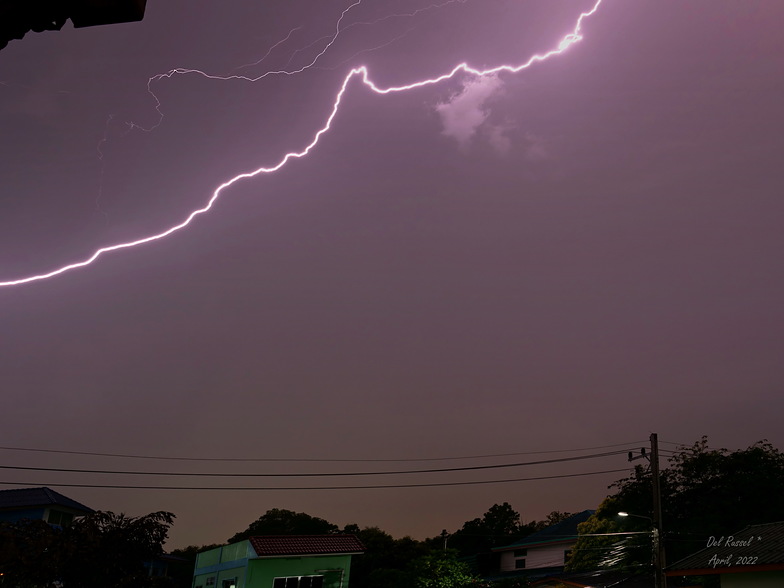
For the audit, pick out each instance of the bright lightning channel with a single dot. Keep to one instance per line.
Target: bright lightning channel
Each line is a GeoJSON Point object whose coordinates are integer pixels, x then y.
{"type": "Point", "coordinates": [567, 41]}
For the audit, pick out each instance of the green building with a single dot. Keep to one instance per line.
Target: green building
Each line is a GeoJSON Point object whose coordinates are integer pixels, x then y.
{"type": "Point", "coordinates": [279, 561]}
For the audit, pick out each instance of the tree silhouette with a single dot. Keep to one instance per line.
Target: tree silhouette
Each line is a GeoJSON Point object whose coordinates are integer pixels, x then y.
{"type": "Point", "coordinates": [99, 550]}
{"type": "Point", "coordinates": [705, 492]}
{"type": "Point", "coordinates": [279, 521]}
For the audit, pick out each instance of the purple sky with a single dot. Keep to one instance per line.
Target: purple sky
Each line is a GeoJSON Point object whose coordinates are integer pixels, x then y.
{"type": "Point", "coordinates": [573, 256]}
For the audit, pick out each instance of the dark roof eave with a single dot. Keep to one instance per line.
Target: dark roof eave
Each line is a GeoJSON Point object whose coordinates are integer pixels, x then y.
{"type": "Point", "coordinates": [305, 545]}
{"type": "Point", "coordinates": [39, 497]}
{"type": "Point", "coordinates": [566, 528]}
{"type": "Point", "coordinates": [535, 544]}
{"type": "Point", "coordinates": [307, 554]}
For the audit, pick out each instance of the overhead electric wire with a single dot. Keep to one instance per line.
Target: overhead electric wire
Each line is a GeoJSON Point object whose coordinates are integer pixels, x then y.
{"type": "Point", "coordinates": [367, 487]}
{"type": "Point", "coordinates": [687, 445]}
{"type": "Point", "coordinates": [281, 459]}
{"type": "Point", "coordinates": [315, 474]}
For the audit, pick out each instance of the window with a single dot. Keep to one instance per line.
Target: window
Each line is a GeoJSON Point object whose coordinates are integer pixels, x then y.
{"type": "Point", "coordinates": [299, 582]}
{"type": "Point", "coordinates": [230, 583]}
{"type": "Point", "coordinates": [57, 517]}
{"type": "Point", "coordinates": [211, 581]}
{"type": "Point", "coordinates": [520, 555]}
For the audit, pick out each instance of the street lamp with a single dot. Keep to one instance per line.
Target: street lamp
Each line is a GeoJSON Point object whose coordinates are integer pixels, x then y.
{"type": "Point", "coordinates": [657, 559]}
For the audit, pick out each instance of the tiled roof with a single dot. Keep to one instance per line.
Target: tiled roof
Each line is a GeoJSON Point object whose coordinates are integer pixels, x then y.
{"type": "Point", "coordinates": [30, 497]}
{"type": "Point", "coordinates": [270, 545]}
{"type": "Point", "coordinates": [761, 545]}
{"type": "Point", "coordinates": [563, 531]}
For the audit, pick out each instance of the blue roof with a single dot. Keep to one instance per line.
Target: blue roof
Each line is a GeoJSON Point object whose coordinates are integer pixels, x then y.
{"type": "Point", "coordinates": [563, 531]}
{"type": "Point", "coordinates": [29, 497]}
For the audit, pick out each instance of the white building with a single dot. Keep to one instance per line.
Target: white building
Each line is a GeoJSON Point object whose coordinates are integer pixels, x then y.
{"type": "Point", "coordinates": [546, 551]}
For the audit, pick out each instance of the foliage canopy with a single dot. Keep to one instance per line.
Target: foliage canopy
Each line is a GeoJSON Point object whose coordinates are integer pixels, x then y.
{"type": "Point", "coordinates": [99, 550]}
{"type": "Point", "coordinates": [705, 492]}
{"type": "Point", "coordinates": [279, 521]}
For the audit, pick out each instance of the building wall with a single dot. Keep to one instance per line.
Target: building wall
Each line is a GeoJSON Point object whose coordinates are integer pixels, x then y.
{"type": "Point", "coordinates": [536, 557]}
{"type": "Point", "coordinates": [507, 561]}
{"type": "Point", "coordinates": [262, 572]}
{"type": "Point", "coordinates": [241, 550]}
{"type": "Point", "coordinates": [547, 557]}
{"type": "Point", "coordinates": [208, 558]}
{"type": "Point", "coordinates": [214, 579]}
{"type": "Point", "coordinates": [239, 561]}
{"type": "Point", "coordinates": [223, 563]}
{"type": "Point", "coordinates": [753, 580]}
{"type": "Point", "coordinates": [237, 551]}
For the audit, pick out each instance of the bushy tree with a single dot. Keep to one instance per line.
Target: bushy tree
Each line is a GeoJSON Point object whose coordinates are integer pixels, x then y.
{"type": "Point", "coordinates": [181, 570]}
{"type": "Point", "coordinates": [714, 491]}
{"type": "Point", "coordinates": [279, 521]}
{"type": "Point", "coordinates": [602, 546]}
{"type": "Point", "coordinates": [500, 525]}
{"type": "Point", "coordinates": [704, 492]}
{"type": "Point", "coordinates": [386, 560]}
{"type": "Point", "coordinates": [99, 550]}
{"type": "Point", "coordinates": [107, 549]}
{"type": "Point", "coordinates": [555, 517]}
{"type": "Point", "coordinates": [441, 569]}
{"type": "Point", "coordinates": [30, 554]}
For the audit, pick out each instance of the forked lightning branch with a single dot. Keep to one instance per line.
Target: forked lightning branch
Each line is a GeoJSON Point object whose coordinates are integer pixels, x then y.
{"type": "Point", "coordinates": [360, 73]}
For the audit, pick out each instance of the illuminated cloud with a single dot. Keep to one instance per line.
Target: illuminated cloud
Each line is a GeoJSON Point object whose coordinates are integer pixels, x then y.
{"type": "Point", "coordinates": [465, 112]}
{"type": "Point", "coordinates": [497, 137]}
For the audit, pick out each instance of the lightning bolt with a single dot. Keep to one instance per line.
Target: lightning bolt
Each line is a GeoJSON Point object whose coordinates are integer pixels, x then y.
{"type": "Point", "coordinates": [338, 31]}
{"type": "Point", "coordinates": [358, 72]}
{"type": "Point", "coordinates": [271, 49]}
{"type": "Point", "coordinates": [330, 41]}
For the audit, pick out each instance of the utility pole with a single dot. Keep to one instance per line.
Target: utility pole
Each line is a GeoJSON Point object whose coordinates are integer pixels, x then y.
{"type": "Point", "coordinates": [658, 535]}
{"type": "Point", "coordinates": [659, 561]}
{"type": "Point", "coordinates": [444, 536]}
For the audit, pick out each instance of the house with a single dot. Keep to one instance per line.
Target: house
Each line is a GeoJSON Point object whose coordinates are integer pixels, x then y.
{"type": "Point", "coordinates": [279, 561]}
{"type": "Point", "coordinates": [751, 558]}
{"type": "Point", "coordinates": [543, 553]}
{"type": "Point", "coordinates": [39, 504]}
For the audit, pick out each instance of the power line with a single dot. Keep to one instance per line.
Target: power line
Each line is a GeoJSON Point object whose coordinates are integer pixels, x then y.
{"type": "Point", "coordinates": [683, 445]}
{"type": "Point", "coordinates": [276, 459]}
{"type": "Point", "coordinates": [369, 487]}
{"type": "Point", "coordinates": [315, 474]}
